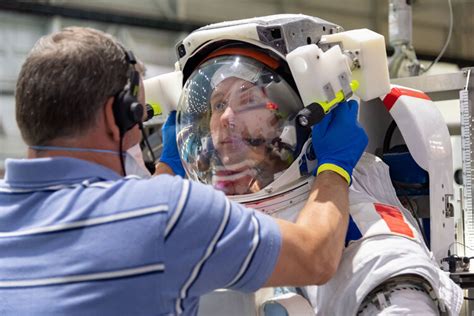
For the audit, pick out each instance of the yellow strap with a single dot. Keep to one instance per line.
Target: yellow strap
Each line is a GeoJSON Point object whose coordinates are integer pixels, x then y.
{"type": "Point", "coordinates": [329, 166]}
{"type": "Point", "coordinates": [135, 90]}
{"type": "Point", "coordinates": [156, 108]}
{"type": "Point", "coordinates": [339, 97]}
{"type": "Point", "coordinates": [328, 105]}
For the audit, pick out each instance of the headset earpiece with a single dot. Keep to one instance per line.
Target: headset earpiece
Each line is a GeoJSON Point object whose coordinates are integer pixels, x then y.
{"type": "Point", "coordinates": [127, 109]}
{"type": "Point", "coordinates": [136, 112]}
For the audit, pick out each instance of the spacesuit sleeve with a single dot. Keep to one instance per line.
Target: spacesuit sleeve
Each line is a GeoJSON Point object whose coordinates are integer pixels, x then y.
{"type": "Point", "coordinates": [212, 242]}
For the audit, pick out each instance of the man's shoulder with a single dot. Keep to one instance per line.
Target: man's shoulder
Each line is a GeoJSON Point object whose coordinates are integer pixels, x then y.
{"type": "Point", "coordinates": [133, 190]}
{"type": "Point", "coordinates": [174, 191]}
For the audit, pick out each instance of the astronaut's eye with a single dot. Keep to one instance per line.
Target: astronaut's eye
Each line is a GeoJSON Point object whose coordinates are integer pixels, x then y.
{"type": "Point", "coordinates": [219, 106]}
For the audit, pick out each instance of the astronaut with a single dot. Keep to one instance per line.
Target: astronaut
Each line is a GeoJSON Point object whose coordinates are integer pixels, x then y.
{"type": "Point", "coordinates": [237, 131]}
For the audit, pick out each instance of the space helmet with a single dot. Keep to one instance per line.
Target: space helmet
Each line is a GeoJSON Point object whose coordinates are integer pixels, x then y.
{"type": "Point", "coordinates": [236, 126]}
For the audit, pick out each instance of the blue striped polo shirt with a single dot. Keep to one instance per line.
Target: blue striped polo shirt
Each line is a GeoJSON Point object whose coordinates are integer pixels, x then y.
{"type": "Point", "coordinates": [78, 239]}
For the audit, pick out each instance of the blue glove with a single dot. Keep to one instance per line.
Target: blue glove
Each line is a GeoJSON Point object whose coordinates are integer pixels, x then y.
{"type": "Point", "coordinates": [170, 154]}
{"type": "Point", "coordinates": [339, 140]}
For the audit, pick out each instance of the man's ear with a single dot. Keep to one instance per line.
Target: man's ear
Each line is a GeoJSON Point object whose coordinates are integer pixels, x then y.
{"type": "Point", "coordinates": [109, 118]}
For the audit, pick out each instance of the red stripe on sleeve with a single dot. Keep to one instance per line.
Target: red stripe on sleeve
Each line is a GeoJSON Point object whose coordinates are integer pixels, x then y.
{"type": "Point", "coordinates": [394, 219]}
{"type": "Point", "coordinates": [397, 92]}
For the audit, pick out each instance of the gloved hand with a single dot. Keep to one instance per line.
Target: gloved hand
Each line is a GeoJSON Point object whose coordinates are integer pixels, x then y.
{"type": "Point", "coordinates": [170, 155]}
{"type": "Point", "coordinates": [339, 140]}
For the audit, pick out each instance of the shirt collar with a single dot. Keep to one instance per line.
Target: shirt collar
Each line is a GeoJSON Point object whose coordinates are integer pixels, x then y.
{"type": "Point", "coordinates": [41, 172]}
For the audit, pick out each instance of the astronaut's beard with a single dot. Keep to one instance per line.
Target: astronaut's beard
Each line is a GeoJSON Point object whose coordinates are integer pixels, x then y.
{"type": "Point", "coordinates": [236, 179]}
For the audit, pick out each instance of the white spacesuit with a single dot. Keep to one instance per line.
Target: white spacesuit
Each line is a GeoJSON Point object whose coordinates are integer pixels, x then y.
{"type": "Point", "coordinates": [389, 247]}
{"type": "Point", "coordinates": [238, 130]}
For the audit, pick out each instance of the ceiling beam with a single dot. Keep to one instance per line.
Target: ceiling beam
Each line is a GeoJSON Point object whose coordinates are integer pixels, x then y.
{"type": "Point", "coordinates": [43, 9]}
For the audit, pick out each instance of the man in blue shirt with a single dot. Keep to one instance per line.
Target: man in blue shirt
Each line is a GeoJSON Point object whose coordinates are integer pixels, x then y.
{"type": "Point", "coordinates": [79, 236]}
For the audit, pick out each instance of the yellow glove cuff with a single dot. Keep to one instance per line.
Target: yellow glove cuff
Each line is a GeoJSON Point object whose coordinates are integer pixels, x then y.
{"type": "Point", "coordinates": [329, 166]}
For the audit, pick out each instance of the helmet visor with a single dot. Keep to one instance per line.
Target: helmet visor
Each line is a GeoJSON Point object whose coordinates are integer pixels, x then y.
{"type": "Point", "coordinates": [236, 124]}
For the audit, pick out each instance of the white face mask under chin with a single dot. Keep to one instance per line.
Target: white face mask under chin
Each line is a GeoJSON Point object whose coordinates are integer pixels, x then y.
{"type": "Point", "coordinates": [134, 163]}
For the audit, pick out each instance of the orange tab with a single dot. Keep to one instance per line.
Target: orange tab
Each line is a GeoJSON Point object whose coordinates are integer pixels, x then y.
{"type": "Point", "coordinates": [394, 219]}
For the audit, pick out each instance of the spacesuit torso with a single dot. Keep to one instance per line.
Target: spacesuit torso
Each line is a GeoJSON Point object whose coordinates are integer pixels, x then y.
{"type": "Point", "coordinates": [387, 244]}
{"type": "Point", "coordinates": [383, 241]}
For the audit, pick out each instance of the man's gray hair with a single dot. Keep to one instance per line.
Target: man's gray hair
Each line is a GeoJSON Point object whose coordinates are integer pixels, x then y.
{"type": "Point", "coordinates": [65, 81]}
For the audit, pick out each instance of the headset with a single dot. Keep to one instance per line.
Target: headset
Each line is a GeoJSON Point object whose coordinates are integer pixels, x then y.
{"type": "Point", "coordinates": [128, 111]}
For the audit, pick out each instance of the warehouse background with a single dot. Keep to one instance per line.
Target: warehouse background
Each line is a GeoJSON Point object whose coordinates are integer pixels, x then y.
{"type": "Point", "coordinates": [152, 27]}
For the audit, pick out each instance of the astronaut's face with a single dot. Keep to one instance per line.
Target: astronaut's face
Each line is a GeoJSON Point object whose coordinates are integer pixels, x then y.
{"type": "Point", "coordinates": [241, 125]}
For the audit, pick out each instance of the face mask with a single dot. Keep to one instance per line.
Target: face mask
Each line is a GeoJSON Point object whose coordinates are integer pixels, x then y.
{"type": "Point", "coordinates": [134, 163]}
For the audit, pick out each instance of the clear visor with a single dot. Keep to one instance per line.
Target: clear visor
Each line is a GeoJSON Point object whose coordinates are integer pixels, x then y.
{"type": "Point", "coordinates": [236, 126]}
